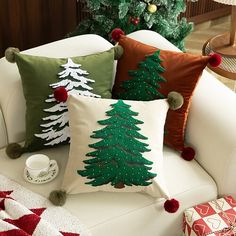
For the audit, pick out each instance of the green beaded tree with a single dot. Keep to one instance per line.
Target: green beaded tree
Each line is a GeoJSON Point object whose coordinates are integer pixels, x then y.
{"type": "Point", "coordinates": [118, 158]}
{"type": "Point", "coordinates": [162, 16]}
{"type": "Point", "coordinates": [145, 82]}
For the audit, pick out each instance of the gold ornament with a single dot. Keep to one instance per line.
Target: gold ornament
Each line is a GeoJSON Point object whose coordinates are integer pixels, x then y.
{"type": "Point", "coordinates": [152, 8]}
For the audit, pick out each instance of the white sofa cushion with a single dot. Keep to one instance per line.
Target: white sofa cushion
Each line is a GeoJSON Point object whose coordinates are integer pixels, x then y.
{"type": "Point", "coordinates": [125, 213]}
{"type": "Point", "coordinates": [3, 132]}
{"type": "Point", "coordinates": [131, 163]}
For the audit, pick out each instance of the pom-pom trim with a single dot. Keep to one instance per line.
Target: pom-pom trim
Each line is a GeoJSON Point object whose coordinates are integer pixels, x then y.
{"type": "Point", "coordinates": [10, 54]}
{"type": "Point", "coordinates": [60, 94]}
{"type": "Point", "coordinates": [188, 153]}
{"type": "Point", "coordinates": [14, 150]}
{"type": "Point", "coordinates": [175, 100]}
{"type": "Point", "coordinates": [215, 59]}
{"type": "Point", "coordinates": [118, 52]}
{"type": "Point", "coordinates": [171, 206]}
{"type": "Point", "coordinates": [116, 34]}
{"type": "Point", "coordinates": [58, 197]}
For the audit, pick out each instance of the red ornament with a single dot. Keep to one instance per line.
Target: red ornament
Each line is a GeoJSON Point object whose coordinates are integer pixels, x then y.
{"type": "Point", "coordinates": [60, 94]}
{"type": "Point", "coordinates": [116, 33]}
{"type": "Point", "coordinates": [215, 59]}
{"type": "Point", "coordinates": [171, 206]}
{"type": "Point", "coordinates": [134, 20]}
{"type": "Point", "coordinates": [188, 153]}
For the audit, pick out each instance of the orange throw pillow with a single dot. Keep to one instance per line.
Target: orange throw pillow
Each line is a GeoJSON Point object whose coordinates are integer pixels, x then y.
{"type": "Point", "coordinates": [181, 74]}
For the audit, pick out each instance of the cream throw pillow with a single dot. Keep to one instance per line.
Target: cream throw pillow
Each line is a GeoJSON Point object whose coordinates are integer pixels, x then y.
{"type": "Point", "coordinates": [116, 146]}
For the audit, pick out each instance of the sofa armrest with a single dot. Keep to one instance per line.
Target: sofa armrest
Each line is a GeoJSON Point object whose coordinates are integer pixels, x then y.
{"type": "Point", "coordinates": [153, 38]}
{"type": "Point", "coordinates": [211, 129]}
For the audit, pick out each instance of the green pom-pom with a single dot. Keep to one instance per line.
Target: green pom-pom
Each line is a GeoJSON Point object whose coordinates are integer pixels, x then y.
{"type": "Point", "coordinates": [175, 100]}
{"type": "Point", "coordinates": [58, 197]}
{"type": "Point", "coordinates": [118, 52]}
{"type": "Point", "coordinates": [14, 150]}
{"type": "Point", "coordinates": [10, 54]}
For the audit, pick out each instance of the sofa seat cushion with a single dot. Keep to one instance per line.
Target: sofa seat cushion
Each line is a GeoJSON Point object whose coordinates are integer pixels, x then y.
{"type": "Point", "coordinates": [3, 131]}
{"type": "Point", "coordinates": [125, 213]}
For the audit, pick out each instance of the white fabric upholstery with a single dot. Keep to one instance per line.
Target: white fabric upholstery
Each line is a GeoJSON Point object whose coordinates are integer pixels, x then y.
{"type": "Point", "coordinates": [210, 129]}
{"type": "Point", "coordinates": [12, 101]}
{"type": "Point", "coordinates": [3, 132]}
{"type": "Point", "coordinates": [126, 213]}
{"type": "Point", "coordinates": [154, 39]}
{"type": "Point", "coordinates": [11, 94]}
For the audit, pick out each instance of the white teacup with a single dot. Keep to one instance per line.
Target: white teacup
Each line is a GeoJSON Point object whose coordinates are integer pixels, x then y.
{"type": "Point", "coordinates": [39, 165]}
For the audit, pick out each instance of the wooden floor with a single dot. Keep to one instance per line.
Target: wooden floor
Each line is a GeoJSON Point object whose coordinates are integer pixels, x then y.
{"type": "Point", "coordinates": [204, 31]}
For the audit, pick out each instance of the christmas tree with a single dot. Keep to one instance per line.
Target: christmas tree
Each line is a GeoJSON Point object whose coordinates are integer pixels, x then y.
{"type": "Point", "coordinates": [73, 79]}
{"type": "Point", "coordinates": [118, 158]}
{"type": "Point", "coordinates": [145, 82]}
{"type": "Point", "coordinates": [162, 16]}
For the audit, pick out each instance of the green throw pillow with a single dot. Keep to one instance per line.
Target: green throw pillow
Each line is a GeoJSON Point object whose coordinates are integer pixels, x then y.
{"type": "Point", "coordinates": [46, 118]}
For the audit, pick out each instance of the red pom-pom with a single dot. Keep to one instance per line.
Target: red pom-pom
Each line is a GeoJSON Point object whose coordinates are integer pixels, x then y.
{"type": "Point", "coordinates": [60, 94]}
{"type": "Point", "coordinates": [215, 59]}
{"type": "Point", "coordinates": [171, 206]}
{"type": "Point", "coordinates": [116, 33]}
{"type": "Point", "coordinates": [188, 153]}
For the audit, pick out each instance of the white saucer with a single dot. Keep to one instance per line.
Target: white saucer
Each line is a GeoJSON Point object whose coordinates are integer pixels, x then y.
{"type": "Point", "coordinates": [52, 174]}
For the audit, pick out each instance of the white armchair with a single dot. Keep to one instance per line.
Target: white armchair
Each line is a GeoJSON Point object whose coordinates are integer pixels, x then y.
{"type": "Point", "coordinates": [210, 129]}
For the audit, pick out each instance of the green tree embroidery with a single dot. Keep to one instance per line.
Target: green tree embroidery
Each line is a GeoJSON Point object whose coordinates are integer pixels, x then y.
{"type": "Point", "coordinates": [118, 157]}
{"type": "Point", "coordinates": [145, 82]}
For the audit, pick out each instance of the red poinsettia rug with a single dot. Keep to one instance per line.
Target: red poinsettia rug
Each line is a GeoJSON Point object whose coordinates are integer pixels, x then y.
{"type": "Point", "coordinates": [24, 213]}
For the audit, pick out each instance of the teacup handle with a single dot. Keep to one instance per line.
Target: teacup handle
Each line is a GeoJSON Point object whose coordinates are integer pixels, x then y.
{"type": "Point", "coordinates": [52, 164]}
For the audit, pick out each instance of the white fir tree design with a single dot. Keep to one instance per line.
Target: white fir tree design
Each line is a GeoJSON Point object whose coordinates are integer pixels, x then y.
{"type": "Point", "coordinates": [55, 130]}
